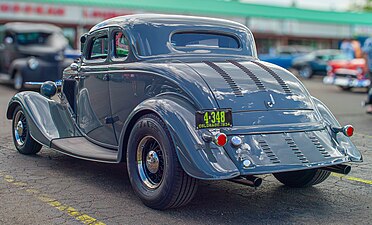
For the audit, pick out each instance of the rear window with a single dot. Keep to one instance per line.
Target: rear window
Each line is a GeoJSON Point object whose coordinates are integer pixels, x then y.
{"type": "Point", "coordinates": [204, 40]}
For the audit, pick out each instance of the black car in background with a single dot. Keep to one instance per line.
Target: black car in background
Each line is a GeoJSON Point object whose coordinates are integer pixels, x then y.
{"type": "Point", "coordinates": [316, 62]}
{"type": "Point", "coordinates": [31, 53]}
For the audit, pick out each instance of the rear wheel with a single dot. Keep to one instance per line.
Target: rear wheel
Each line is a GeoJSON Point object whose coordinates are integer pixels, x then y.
{"type": "Point", "coordinates": [154, 170]}
{"type": "Point", "coordinates": [303, 178]}
{"type": "Point", "coordinates": [22, 139]}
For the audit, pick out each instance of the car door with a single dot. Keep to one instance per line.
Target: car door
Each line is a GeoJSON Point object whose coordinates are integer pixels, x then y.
{"type": "Point", "coordinates": [127, 87]}
{"type": "Point", "coordinates": [93, 101]}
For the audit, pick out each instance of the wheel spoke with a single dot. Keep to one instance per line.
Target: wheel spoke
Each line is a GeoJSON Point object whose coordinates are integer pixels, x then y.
{"type": "Point", "coordinates": [152, 165]}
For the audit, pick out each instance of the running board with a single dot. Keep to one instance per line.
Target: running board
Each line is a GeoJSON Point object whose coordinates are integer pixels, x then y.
{"type": "Point", "coordinates": [81, 148]}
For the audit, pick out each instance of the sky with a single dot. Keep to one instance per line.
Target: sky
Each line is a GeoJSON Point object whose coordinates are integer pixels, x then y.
{"type": "Point", "coordinates": [339, 5]}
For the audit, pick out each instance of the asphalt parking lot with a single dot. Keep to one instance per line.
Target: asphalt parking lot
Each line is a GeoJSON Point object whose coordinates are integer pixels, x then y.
{"type": "Point", "coordinates": [51, 188]}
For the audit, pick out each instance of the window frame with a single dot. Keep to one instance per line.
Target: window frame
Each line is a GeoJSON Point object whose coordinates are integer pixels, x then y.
{"type": "Point", "coordinates": [113, 57]}
{"type": "Point", "coordinates": [92, 37]}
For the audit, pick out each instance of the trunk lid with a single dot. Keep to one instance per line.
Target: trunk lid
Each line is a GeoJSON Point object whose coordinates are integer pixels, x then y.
{"type": "Point", "coordinates": [253, 86]}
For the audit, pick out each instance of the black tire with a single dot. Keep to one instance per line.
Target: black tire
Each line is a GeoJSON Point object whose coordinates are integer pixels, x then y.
{"type": "Point", "coordinates": [22, 139]}
{"type": "Point", "coordinates": [163, 184]}
{"type": "Point", "coordinates": [303, 178]}
{"type": "Point", "coordinates": [306, 72]}
{"type": "Point", "coordinates": [345, 88]}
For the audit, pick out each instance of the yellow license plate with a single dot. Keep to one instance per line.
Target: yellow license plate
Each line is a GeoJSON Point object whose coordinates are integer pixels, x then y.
{"type": "Point", "coordinates": [213, 118]}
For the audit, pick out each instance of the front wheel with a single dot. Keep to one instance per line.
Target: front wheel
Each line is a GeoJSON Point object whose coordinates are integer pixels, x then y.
{"type": "Point", "coordinates": [306, 72]}
{"type": "Point", "coordinates": [22, 139]}
{"type": "Point", "coordinates": [303, 178]}
{"type": "Point", "coordinates": [153, 167]}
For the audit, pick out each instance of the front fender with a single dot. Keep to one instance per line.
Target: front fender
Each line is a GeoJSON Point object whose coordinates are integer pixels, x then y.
{"type": "Point", "coordinates": [47, 119]}
{"type": "Point", "coordinates": [197, 159]}
{"type": "Point", "coordinates": [341, 139]}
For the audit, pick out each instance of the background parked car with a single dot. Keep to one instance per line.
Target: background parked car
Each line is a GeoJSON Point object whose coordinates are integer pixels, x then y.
{"type": "Point", "coordinates": [348, 74]}
{"type": "Point", "coordinates": [284, 55]}
{"type": "Point", "coordinates": [316, 62]}
{"type": "Point", "coordinates": [32, 53]}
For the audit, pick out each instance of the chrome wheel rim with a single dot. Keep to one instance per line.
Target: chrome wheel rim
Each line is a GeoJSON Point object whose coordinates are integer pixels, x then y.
{"type": "Point", "coordinates": [18, 81]}
{"type": "Point", "coordinates": [305, 72]}
{"type": "Point", "coordinates": [150, 162]}
{"type": "Point", "coordinates": [20, 128]}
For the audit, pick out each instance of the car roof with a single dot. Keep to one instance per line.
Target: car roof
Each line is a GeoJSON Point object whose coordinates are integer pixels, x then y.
{"type": "Point", "coordinates": [19, 27]}
{"type": "Point", "coordinates": [170, 20]}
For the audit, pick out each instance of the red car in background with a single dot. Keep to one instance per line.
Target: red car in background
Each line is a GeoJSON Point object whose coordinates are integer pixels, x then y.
{"type": "Point", "coordinates": [347, 74]}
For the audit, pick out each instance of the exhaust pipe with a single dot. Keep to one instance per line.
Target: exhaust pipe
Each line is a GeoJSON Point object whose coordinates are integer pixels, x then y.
{"type": "Point", "coordinates": [250, 180]}
{"type": "Point", "coordinates": [342, 169]}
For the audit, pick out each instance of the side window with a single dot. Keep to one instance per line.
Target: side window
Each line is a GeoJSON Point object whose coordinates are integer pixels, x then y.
{"type": "Point", "coordinates": [121, 48]}
{"type": "Point", "coordinates": [99, 48]}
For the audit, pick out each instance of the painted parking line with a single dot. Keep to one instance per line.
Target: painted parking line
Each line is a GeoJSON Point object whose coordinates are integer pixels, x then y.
{"type": "Point", "coordinates": [352, 178]}
{"type": "Point", "coordinates": [82, 217]}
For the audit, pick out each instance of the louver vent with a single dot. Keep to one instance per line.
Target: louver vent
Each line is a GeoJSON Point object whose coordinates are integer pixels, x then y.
{"type": "Point", "coordinates": [234, 87]}
{"type": "Point", "coordinates": [281, 82]}
{"type": "Point", "coordinates": [267, 150]}
{"type": "Point", "coordinates": [255, 79]}
{"type": "Point", "coordinates": [296, 150]}
{"type": "Point", "coordinates": [319, 146]}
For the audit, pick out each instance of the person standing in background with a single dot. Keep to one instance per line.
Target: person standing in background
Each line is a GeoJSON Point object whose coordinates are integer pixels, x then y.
{"type": "Point", "coordinates": [357, 48]}
{"type": "Point", "coordinates": [367, 53]}
{"type": "Point", "coordinates": [347, 48]}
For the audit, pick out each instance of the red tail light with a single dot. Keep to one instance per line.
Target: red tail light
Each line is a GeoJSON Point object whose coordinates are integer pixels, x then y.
{"type": "Point", "coordinates": [221, 139]}
{"type": "Point", "coordinates": [348, 130]}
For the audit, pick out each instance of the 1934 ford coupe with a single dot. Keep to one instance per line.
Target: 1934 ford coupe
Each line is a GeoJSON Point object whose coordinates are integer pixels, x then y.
{"type": "Point", "coordinates": [182, 99]}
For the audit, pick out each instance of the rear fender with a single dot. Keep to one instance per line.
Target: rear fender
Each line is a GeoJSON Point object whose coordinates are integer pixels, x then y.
{"type": "Point", "coordinates": [197, 159]}
{"type": "Point", "coordinates": [343, 141]}
{"type": "Point", "coordinates": [47, 119]}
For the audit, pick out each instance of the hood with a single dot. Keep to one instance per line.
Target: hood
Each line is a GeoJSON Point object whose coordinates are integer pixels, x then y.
{"type": "Point", "coordinates": [252, 85]}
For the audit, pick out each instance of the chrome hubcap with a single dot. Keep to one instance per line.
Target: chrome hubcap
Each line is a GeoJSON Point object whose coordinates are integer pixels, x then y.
{"type": "Point", "coordinates": [20, 128]}
{"type": "Point", "coordinates": [150, 162]}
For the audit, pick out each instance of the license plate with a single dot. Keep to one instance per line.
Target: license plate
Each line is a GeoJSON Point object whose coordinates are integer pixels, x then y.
{"type": "Point", "coordinates": [213, 118]}
{"type": "Point", "coordinates": [342, 81]}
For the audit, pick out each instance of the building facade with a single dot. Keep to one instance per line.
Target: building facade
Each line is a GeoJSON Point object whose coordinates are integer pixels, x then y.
{"type": "Point", "coordinates": [272, 26]}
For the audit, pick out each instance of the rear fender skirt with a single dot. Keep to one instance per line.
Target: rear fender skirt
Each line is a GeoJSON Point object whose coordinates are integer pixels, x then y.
{"type": "Point", "coordinates": [343, 141]}
{"type": "Point", "coordinates": [47, 119]}
{"type": "Point", "coordinates": [179, 116]}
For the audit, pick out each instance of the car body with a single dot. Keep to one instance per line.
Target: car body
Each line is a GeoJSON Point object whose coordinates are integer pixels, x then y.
{"type": "Point", "coordinates": [316, 62]}
{"type": "Point", "coordinates": [284, 55]}
{"type": "Point", "coordinates": [348, 74]}
{"type": "Point", "coordinates": [32, 52]}
{"type": "Point", "coordinates": [182, 99]}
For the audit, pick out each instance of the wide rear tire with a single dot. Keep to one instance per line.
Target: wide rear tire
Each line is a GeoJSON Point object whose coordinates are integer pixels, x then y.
{"type": "Point", "coordinates": [154, 170]}
{"type": "Point", "coordinates": [303, 178]}
{"type": "Point", "coordinates": [22, 139]}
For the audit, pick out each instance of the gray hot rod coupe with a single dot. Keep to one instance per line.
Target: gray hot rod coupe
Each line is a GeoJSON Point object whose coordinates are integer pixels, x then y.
{"type": "Point", "coordinates": [182, 99]}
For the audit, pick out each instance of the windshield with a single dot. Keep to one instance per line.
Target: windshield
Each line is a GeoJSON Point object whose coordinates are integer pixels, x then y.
{"type": "Point", "coordinates": [32, 38]}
